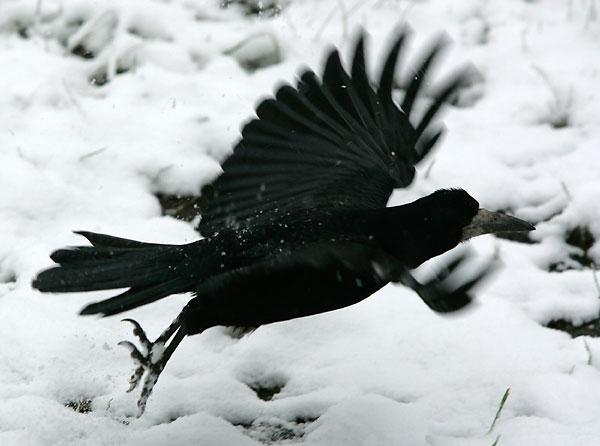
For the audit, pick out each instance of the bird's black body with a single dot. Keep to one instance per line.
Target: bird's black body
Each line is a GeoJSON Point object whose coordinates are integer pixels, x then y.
{"type": "Point", "coordinates": [297, 224]}
{"type": "Point", "coordinates": [324, 261]}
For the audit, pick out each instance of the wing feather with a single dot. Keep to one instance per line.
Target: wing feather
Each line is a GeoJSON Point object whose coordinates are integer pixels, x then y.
{"type": "Point", "coordinates": [338, 141]}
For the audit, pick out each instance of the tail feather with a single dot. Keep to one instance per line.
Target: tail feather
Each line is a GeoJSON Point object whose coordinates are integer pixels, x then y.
{"type": "Point", "coordinates": [119, 271]}
{"type": "Point", "coordinates": [100, 256]}
{"type": "Point", "coordinates": [133, 297]}
{"type": "Point", "coordinates": [150, 271]}
{"type": "Point", "coordinates": [88, 254]}
{"type": "Point", "coordinates": [109, 241]}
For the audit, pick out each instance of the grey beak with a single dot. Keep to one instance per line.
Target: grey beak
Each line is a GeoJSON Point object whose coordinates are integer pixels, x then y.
{"type": "Point", "coordinates": [488, 222]}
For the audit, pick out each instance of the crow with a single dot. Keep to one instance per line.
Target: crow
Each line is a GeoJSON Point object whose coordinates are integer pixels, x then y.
{"type": "Point", "coordinates": [297, 223]}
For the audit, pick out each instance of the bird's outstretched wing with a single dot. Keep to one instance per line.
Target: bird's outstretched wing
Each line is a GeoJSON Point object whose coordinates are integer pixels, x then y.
{"type": "Point", "coordinates": [331, 142]}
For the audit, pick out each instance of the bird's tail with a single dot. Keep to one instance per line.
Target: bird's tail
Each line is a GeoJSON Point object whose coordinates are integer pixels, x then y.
{"type": "Point", "coordinates": [150, 271]}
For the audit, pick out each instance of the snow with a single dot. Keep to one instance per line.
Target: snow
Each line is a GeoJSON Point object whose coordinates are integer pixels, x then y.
{"type": "Point", "coordinates": [88, 139]}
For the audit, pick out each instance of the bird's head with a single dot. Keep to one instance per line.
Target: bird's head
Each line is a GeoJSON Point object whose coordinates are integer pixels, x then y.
{"type": "Point", "coordinates": [438, 222]}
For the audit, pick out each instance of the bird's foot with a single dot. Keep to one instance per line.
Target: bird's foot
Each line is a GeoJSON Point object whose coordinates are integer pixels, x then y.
{"type": "Point", "coordinates": [445, 292]}
{"type": "Point", "coordinates": [444, 295]}
{"type": "Point", "coordinates": [150, 359]}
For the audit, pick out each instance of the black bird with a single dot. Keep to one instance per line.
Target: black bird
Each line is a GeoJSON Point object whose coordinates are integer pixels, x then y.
{"type": "Point", "coordinates": [297, 223]}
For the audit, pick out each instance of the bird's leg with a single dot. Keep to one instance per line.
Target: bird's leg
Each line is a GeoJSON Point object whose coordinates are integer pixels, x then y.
{"type": "Point", "coordinates": [439, 295]}
{"type": "Point", "coordinates": [151, 358]}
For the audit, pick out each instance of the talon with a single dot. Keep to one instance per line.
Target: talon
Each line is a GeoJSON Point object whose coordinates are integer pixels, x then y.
{"type": "Point", "coordinates": [139, 360]}
{"type": "Point", "coordinates": [151, 360]}
{"type": "Point", "coordinates": [135, 378]}
{"type": "Point", "coordinates": [136, 355]}
{"type": "Point", "coordinates": [139, 332]}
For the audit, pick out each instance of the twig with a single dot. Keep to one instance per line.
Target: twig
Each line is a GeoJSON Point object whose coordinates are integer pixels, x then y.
{"type": "Point", "coordinates": [26, 157]}
{"type": "Point", "coordinates": [497, 417]}
{"type": "Point", "coordinates": [566, 190]}
{"type": "Point", "coordinates": [559, 113]}
{"type": "Point", "coordinates": [92, 153]}
{"type": "Point", "coordinates": [589, 352]}
{"type": "Point", "coordinates": [428, 170]}
{"type": "Point", "coordinates": [154, 179]}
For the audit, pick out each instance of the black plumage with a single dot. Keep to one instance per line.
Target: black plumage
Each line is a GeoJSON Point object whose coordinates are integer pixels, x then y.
{"type": "Point", "coordinates": [297, 224]}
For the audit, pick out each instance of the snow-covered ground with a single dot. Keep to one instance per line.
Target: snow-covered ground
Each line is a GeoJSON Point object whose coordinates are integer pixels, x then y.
{"type": "Point", "coordinates": [105, 104]}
